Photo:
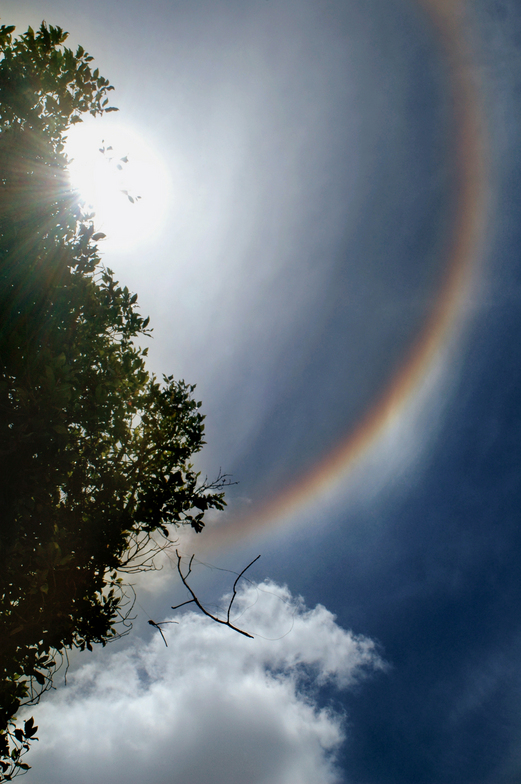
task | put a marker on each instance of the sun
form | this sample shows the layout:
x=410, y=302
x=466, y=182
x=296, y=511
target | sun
x=121, y=179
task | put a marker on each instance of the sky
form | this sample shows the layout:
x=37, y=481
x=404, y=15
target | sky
x=328, y=246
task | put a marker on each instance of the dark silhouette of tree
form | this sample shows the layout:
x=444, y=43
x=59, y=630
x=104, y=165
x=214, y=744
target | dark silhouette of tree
x=95, y=452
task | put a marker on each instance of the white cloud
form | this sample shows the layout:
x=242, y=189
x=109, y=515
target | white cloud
x=212, y=706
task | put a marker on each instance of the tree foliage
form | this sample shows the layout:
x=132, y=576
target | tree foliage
x=94, y=451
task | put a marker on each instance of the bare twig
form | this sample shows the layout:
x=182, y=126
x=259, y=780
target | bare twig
x=158, y=627
x=235, y=585
x=195, y=600
x=222, y=480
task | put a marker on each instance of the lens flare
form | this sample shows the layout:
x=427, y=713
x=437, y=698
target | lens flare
x=121, y=179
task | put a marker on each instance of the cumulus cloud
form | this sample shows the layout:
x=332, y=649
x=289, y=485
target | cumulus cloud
x=212, y=706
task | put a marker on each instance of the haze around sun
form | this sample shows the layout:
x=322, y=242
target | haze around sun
x=121, y=179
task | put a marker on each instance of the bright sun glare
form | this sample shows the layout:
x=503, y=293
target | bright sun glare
x=121, y=179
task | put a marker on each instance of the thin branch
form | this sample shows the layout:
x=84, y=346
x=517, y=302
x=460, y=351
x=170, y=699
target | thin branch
x=158, y=627
x=184, y=578
x=235, y=585
x=222, y=480
x=189, y=601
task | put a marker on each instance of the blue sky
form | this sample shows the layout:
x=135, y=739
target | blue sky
x=313, y=154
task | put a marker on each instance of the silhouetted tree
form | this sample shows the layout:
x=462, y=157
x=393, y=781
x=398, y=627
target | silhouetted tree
x=94, y=451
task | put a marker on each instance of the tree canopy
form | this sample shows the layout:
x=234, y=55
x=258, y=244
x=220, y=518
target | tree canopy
x=94, y=451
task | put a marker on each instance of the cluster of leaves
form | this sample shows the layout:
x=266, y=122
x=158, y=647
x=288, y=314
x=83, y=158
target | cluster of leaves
x=45, y=85
x=94, y=451
x=14, y=743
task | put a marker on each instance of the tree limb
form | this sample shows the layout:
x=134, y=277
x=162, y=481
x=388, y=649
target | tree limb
x=184, y=578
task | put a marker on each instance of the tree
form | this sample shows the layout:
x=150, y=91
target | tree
x=94, y=451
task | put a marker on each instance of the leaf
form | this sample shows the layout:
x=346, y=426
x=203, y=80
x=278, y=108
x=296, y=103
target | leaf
x=31, y=732
x=39, y=677
x=28, y=725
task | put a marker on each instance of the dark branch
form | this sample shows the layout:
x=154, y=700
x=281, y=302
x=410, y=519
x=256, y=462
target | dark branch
x=235, y=585
x=184, y=578
x=189, y=601
x=158, y=627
